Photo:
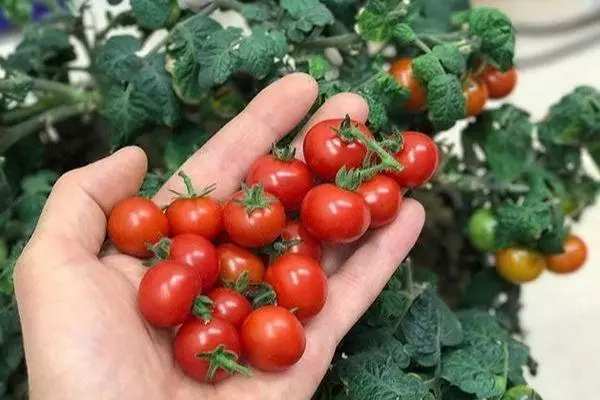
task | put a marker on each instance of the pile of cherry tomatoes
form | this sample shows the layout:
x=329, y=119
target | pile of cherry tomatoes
x=478, y=88
x=238, y=280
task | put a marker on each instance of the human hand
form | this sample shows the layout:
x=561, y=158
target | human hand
x=83, y=335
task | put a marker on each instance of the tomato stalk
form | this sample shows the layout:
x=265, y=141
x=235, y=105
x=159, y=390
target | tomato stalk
x=203, y=308
x=285, y=154
x=261, y=294
x=191, y=191
x=161, y=249
x=225, y=360
x=279, y=247
x=254, y=198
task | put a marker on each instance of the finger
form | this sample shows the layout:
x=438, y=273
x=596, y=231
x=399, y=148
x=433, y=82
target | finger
x=362, y=278
x=225, y=159
x=77, y=208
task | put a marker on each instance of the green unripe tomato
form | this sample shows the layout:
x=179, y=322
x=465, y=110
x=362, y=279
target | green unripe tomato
x=521, y=392
x=174, y=14
x=482, y=229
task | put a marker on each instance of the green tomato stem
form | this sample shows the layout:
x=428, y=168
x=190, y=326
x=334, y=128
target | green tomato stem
x=225, y=360
x=229, y=4
x=332, y=41
x=422, y=45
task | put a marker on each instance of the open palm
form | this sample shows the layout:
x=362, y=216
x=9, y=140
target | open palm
x=83, y=335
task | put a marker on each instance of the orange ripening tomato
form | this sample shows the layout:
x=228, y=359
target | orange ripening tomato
x=572, y=259
x=520, y=265
x=476, y=95
x=402, y=72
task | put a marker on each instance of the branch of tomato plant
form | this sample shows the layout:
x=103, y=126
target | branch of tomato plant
x=43, y=85
x=229, y=4
x=123, y=19
x=22, y=113
x=472, y=183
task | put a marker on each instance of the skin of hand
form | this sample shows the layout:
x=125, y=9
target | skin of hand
x=83, y=335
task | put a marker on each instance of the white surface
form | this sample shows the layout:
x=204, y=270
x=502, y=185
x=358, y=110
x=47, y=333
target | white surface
x=561, y=314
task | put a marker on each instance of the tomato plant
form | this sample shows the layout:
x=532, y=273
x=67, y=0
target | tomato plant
x=335, y=215
x=230, y=305
x=283, y=176
x=326, y=152
x=235, y=260
x=499, y=83
x=166, y=293
x=134, y=224
x=383, y=195
x=300, y=284
x=253, y=218
x=198, y=253
x=520, y=265
x=476, y=95
x=402, y=72
x=305, y=243
x=208, y=351
x=482, y=229
x=420, y=158
x=572, y=259
x=273, y=339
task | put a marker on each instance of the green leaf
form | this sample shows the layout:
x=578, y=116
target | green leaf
x=451, y=333
x=186, y=140
x=379, y=94
x=421, y=330
x=484, y=289
x=305, y=15
x=446, y=101
x=219, y=58
x=427, y=67
x=19, y=86
x=152, y=183
x=389, y=307
x=364, y=337
x=41, y=182
x=257, y=52
x=374, y=26
x=151, y=14
x=318, y=66
x=479, y=368
x=116, y=59
x=185, y=46
x=404, y=33
x=451, y=58
x=257, y=12
x=379, y=20
x=497, y=35
x=125, y=112
x=374, y=375
x=17, y=11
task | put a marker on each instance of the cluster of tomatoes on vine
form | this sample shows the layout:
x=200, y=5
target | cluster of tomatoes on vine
x=478, y=87
x=238, y=280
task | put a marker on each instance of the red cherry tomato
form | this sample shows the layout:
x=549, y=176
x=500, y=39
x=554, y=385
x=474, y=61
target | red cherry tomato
x=326, y=152
x=199, y=253
x=402, y=72
x=572, y=259
x=309, y=245
x=335, y=215
x=499, y=84
x=235, y=260
x=273, y=339
x=134, y=223
x=383, y=197
x=289, y=181
x=476, y=95
x=420, y=158
x=299, y=283
x=230, y=305
x=197, y=343
x=198, y=215
x=254, y=227
x=167, y=292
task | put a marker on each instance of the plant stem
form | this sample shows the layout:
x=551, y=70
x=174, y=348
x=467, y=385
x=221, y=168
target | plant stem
x=229, y=4
x=60, y=113
x=118, y=20
x=421, y=45
x=45, y=85
x=22, y=113
x=332, y=41
x=407, y=276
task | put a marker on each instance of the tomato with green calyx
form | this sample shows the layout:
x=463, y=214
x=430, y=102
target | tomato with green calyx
x=420, y=158
x=273, y=339
x=300, y=284
x=195, y=212
x=335, y=215
x=198, y=253
x=136, y=223
x=225, y=303
x=235, y=260
x=499, y=83
x=482, y=229
x=304, y=242
x=476, y=96
x=521, y=392
x=282, y=175
x=520, y=265
x=253, y=218
x=402, y=72
x=572, y=259
x=166, y=293
x=383, y=195
x=326, y=150
x=208, y=351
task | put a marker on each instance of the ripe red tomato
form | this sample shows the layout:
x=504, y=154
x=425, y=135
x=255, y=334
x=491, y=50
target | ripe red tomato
x=310, y=245
x=198, y=215
x=199, y=253
x=167, y=292
x=235, y=260
x=256, y=224
x=499, y=84
x=476, y=95
x=197, y=344
x=134, y=223
x=299, y=283
x=273, y=339
x=288, y=180
x=572, y=259
x=230, y=305
x=420, y=158
x=402, y=72
x=383, y=196
x=326, y=152
x=335, y=215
